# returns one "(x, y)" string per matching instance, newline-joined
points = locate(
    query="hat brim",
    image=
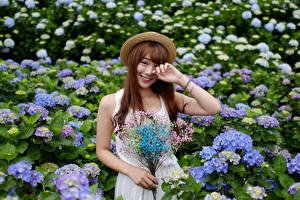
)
(148, 36)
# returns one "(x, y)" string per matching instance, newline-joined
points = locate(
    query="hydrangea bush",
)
(55, 68)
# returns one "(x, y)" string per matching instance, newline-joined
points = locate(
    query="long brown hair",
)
(131, 96)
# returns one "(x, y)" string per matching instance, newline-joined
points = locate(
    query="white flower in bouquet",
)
(293, 43)
(8, 42)
(262, 62)
(111, 5)
(4, 3)
(42, 53)
(142, 24)
(59, 31)
(40, 26)
(276, 56)
(45, 36)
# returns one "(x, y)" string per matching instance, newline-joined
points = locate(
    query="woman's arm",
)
(105, 129)
(203, 103)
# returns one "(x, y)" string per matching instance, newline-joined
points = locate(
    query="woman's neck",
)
(146, 92)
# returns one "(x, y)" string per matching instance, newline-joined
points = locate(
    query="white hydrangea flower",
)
(293, 43)
(59, 31)
(45, 36)
(8, 42)
(40, 26)
(262, 62)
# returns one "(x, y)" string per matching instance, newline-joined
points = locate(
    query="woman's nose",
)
(149, 69)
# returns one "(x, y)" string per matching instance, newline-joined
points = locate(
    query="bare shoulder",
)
(107, 104)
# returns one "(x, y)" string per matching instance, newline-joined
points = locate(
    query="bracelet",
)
(187, 84)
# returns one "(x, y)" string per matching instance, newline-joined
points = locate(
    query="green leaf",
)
(280, 164)
(34, 118)
(50, 196)
(22, 147)
(86, 126)
(8, 151)
(94, 188)
(297, 195)
(3, 132)
(285, 180)
(25, 132)
(166, 187)
(167, 196)
(33, 153)
(56, 124)
(109, 183)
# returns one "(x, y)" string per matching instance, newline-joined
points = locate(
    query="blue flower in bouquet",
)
(256, 23)
(78, 111)
(9, 22)
(2, 177)
(294, 188)
(33, 109)
(269, 26)
(138, 16)
(64, 72)
(247, 14)
(44, 100)
(4, 3)
(207, 152)
(7, 116)
(294, 165)
(152, 145)
(30, 4)
(42, 53)
(232, 140)
(256, 192)
(253, 158)
(202, 120)
(267, 121)
(204, 38)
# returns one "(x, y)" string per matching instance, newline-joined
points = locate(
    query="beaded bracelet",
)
(187, 84)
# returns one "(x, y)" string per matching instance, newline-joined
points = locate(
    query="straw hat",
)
(148, 36)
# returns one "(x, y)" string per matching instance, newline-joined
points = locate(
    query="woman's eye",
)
(145, 63)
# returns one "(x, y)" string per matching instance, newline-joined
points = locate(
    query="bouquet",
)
(152, 139)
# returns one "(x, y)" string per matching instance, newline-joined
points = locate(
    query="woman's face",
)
(145, 77)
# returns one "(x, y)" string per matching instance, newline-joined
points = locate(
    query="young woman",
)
(149, 87)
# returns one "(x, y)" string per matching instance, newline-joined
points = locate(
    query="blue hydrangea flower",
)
(267, 121)
(202, 120)
(207, 152)
(79, 83)
(247, 14)
(280, 27)
(256, 192)
(256, 23)
(294, 165)
(7, 116)
(64, 72)
(78, 111)
(294, 188)
(2, 177)
(204, 38)
(253, 158)
(33, 109)
(232, 140)
(269, 26)
(215, 164)
(263, 47)
(198, 174)
(204, 82)
(138, 16)
(9, 22)
(44, 100)
(4, 3)
(284, 67)
(90, 78)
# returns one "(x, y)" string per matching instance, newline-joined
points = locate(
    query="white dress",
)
(124, 185)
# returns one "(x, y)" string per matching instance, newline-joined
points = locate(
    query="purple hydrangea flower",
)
(256, 192)
(78, 111)
(33, 109)
(7, 116)
(182, 115)
(294, 165)
(66, 131)
(204, 81)
(294, 188)
(90, 78)
(253, 158)
(202, 120)
(267, 121)
(64, 72)
(67, 169)
(43, 132)
(79, 83)
(95, 89)
(259, 91)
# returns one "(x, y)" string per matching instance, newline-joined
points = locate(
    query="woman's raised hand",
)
(168, 73)
(143, 178)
